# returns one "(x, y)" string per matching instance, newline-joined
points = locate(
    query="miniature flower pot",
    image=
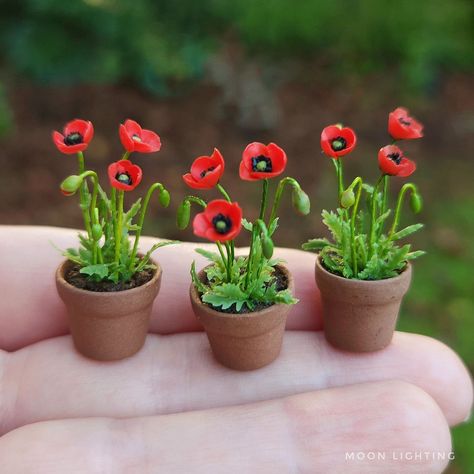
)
(108, 325)
(360, 315)
(244, 341)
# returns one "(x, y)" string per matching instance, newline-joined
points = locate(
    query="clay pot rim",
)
(250, 315)
(105, 294)
(343, 280)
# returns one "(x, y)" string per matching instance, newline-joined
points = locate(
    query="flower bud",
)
(347, 198)
(267, 247)
(96, 232)
(183, 215)
(416, 203)
(164, 197)
(71, 184)
(301, 201)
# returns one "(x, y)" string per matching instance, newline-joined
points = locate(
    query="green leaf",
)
(133, 211)
(406, 231)
(213, 256)
(196, 281)
(100, 270)
(315, 245)
(415, 254)
(247, 225)
(225, 296)
(147, 256)
(273, 226)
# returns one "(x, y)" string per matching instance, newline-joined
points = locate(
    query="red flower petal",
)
(134, 138)
(389, 166)
(203, 225)
(403, 127)
(273, 152)
(83, 127)
(125, 167)
(331, 133)
(125, 138)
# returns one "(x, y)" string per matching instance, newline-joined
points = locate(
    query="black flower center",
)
(404, 121)
(395, 157)
(262, 164)
(339, 143)
(124, 178)
(221, 223)
(208, 170)
(73, 138)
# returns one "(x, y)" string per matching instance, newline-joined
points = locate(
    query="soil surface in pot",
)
(281, 280)
(83, 282)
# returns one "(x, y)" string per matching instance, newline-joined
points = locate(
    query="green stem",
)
(92, 208)
(196, 200)
(357, 182)
(249, 261)
(224, 192)
(230, 258)
(119, 223)
(340, 177)
(384, 198)
(373, 206)
(396, 220)
(263, 204)
(82, 196)
(126, 155)
(224, 261)
(278, 194)
(141, 220)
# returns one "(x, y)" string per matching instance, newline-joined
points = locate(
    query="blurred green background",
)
(217, 73)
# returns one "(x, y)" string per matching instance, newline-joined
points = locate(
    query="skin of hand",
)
(172, 409)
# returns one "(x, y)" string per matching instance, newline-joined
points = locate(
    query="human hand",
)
(172, 408)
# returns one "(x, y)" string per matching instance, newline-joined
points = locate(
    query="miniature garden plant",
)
(240, 283)
(366, 241)
(106, 251)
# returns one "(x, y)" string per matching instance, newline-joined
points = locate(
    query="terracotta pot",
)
(108, 325)
(245, 341)
(360, 315)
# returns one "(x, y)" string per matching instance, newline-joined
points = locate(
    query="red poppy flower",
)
(124, 175)
(403, 127)
(206, 171)
(220, 221)
(261, 161)
(337, 140)
(75, 137)
(135, 138)
(394, 163)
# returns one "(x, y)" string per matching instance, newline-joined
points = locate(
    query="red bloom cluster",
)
(206, 171)
(219, 222)
(75, 138)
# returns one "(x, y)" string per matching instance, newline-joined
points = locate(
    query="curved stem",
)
(396, 220)
(224, 192)
(196, 200)
(372, 215)
(278, 194)
(141, 220)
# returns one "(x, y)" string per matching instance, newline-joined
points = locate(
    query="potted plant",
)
(364, 272)
(107, 286)
(242, 301)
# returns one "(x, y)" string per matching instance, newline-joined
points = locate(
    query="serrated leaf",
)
(411, 229)
(225, 296)
(213, 256)
(99, 270)
(247, 225)
(315, 244)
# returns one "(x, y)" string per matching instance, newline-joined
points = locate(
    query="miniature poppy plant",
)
(105, 252)
(124, 175)
(206, 171)
(261, 161)
(337, 140)
(136, 138)
(75, 138)
(243, 280)
(360, 249)
(221, 221)
(403, 127)
(393, 162)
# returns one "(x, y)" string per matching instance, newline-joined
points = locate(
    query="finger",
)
(32, 311)
(177, 373)
(313, 432)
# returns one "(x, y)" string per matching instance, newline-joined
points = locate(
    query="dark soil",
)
(83, 282)
(281, 281)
